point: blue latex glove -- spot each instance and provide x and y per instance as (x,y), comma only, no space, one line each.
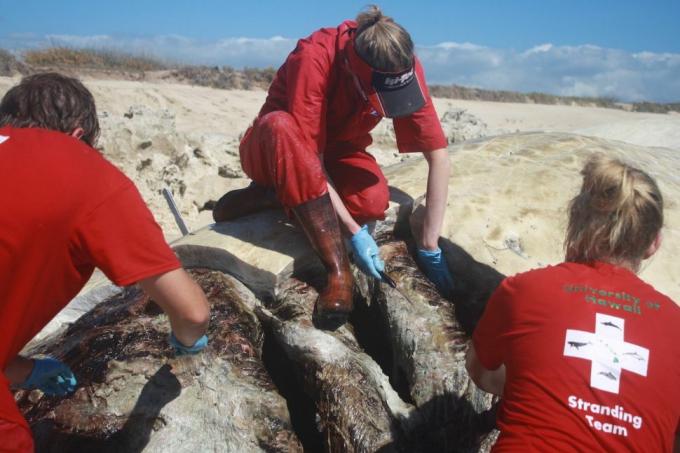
(366,253)
(52,377)
(180,349)
(435,268)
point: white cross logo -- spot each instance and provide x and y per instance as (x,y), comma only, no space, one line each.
(3,138)
(607,351)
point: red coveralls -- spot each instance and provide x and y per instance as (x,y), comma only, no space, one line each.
(315,111)
(66,209)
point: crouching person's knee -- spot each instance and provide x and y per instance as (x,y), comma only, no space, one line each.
(370,205)
(278,123)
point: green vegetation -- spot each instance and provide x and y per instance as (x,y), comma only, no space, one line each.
(65,57)
(656,108)
(225,77)
(9,65)
(478,94)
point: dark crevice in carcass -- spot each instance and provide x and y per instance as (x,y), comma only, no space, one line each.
(372,333)
(474,282)
(356,408)
(426,345)
(300,406)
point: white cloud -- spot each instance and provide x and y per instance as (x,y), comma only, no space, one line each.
(585,70)
(448,45)
(538,49)
(238,51)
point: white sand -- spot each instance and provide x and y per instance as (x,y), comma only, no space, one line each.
(645,129)
(180,135)
(508,198)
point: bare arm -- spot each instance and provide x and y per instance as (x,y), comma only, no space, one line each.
(344,216)
(491,381)
(437,190)
(18,370)
(183,301)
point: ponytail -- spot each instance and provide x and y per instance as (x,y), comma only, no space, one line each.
(382,43)
(616,216)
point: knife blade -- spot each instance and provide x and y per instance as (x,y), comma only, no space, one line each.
(387,279)
(390,281)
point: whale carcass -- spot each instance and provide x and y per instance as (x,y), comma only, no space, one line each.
(270,380)
(133,394)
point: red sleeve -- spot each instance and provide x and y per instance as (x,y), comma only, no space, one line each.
(491,333)
(420,131)
(307,73)
(121,237)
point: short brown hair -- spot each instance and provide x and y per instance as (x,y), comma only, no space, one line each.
(382,43)
(616,216)
(51,101)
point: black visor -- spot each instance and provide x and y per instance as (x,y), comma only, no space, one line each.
(399,93)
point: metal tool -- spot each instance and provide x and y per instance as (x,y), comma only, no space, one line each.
(390,281)
(387,279)
(175,212)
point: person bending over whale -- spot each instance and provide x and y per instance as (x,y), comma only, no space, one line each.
(65,211)
(307,149)
(586,355)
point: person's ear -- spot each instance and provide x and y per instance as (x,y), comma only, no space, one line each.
(654,247)
(78,133)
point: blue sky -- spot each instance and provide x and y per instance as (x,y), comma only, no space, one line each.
(626,49)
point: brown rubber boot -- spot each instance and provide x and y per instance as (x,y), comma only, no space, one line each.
(242,202)
(320,223)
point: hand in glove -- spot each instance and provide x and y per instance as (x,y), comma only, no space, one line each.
(435,268)
(52,377)
(366,253)
(180,349)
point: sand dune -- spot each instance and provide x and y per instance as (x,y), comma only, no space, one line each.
(645,129)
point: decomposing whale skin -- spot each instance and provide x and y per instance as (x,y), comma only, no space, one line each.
(134,395)
(393,379)
(358,410)
(428,347)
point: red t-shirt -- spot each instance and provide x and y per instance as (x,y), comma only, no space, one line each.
(592,356)
(316,88)
(65,211)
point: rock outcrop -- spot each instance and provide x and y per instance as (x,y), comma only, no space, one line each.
(146,145)
(459,125)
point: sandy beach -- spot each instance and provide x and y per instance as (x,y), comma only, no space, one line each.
(186,137)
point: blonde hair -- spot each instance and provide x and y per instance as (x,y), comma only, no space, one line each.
(616,216)
(381,42)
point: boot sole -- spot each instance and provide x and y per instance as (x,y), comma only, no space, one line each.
(329,320)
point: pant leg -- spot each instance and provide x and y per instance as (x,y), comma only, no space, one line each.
(15,438)
(15,435)
(273,154)
(360,183)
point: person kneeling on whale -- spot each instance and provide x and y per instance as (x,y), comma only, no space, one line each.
(585,354)
(67,210)
(307,149)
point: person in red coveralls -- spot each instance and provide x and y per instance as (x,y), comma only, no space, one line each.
(65,211)
(585,355)
(307,149)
